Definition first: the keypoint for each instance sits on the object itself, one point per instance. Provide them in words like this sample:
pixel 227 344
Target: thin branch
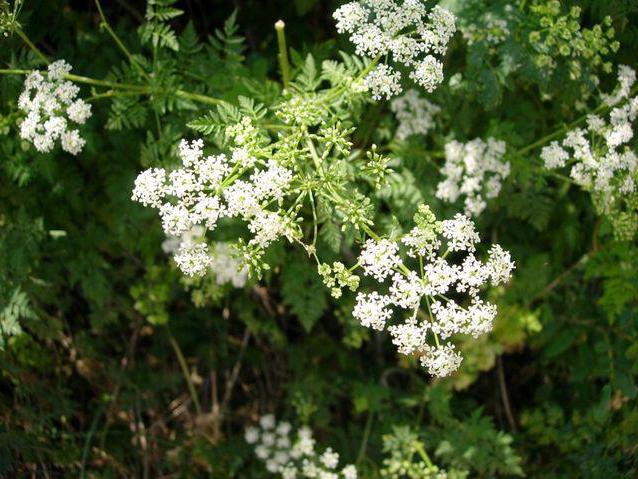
pixel 559 279
pixel 120 44
pixel 365 439
pixel 129 88
pixel 228 392
pixel 185 373
pixel 504 395
pixel 32 46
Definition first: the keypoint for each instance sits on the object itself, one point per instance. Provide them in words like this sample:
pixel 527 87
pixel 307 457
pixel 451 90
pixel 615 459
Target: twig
pixel 89 436
pixel 366 437
pixel 228 392
pixel 32 46
pixel 186 373
pixel 125 362
pixel 559 279
pixel 117 40
pixel 504 395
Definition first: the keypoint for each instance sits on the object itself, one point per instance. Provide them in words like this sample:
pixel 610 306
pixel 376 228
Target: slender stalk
pixel 315 157
pixel 283 53
pixel 314 218
pixel 105 83
pixel 234 373
pixel 424 455
pixel 82 79
pixel 186 373
pixel 370 233
pixel 111 94
pixel 89 437
pixel 504 395
pixel 128 88
pixel 32 46
pixel 120 44
pixel 209 100
pixel 365 439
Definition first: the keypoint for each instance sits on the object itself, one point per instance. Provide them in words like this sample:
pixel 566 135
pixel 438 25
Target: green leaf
pixel 560 343
pixel 303 292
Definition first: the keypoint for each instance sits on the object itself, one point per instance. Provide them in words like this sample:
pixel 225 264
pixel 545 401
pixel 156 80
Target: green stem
pixel 82 79
pixel 424 455
pixel 315 157
pixel 186 373
pixel 32 46
pixel 89 437
pixel 197 97
pixel 118 86
pixel 127 87
pixel 365 439
pixel 314 218
pixel 283 53
pixel 120 44
pixel 370 233
pixel 111 94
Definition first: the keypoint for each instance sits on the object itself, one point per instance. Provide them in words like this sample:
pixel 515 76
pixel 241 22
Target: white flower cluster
pixel 208 188
pixel 602 161
pixel 222 263
pixel 226 267
pixel 50 103
pixel 404 30
pixel 414 114
pixel 437 278
pixel 475 170
pixel 291 454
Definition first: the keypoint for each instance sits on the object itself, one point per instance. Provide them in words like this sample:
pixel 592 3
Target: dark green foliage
pixel 94 316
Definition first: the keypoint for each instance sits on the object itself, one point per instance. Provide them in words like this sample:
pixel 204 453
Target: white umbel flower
pixel 403 31
pixel 441 361
pixel 414 114
pixel 554 156
pixel 383 82
pixel 150 187
pixel 206 189
pixel 601 158
pixel 371 310
pixel 379 258
pixel 474 170
pixel 431 315
pixel 50 104
pixel 291 454
pixel 193 259
pixel 227 268
pixel 428 73
pixel 460 233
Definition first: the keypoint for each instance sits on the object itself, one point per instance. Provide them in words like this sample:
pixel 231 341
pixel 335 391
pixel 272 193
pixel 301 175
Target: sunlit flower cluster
pixel 474 170
pixel 407 32
pixel 600 156
pixel 208 188
pixel 414 114
pixel 432 293
pixel 222 262
pixel 292 454
pixel 51 104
